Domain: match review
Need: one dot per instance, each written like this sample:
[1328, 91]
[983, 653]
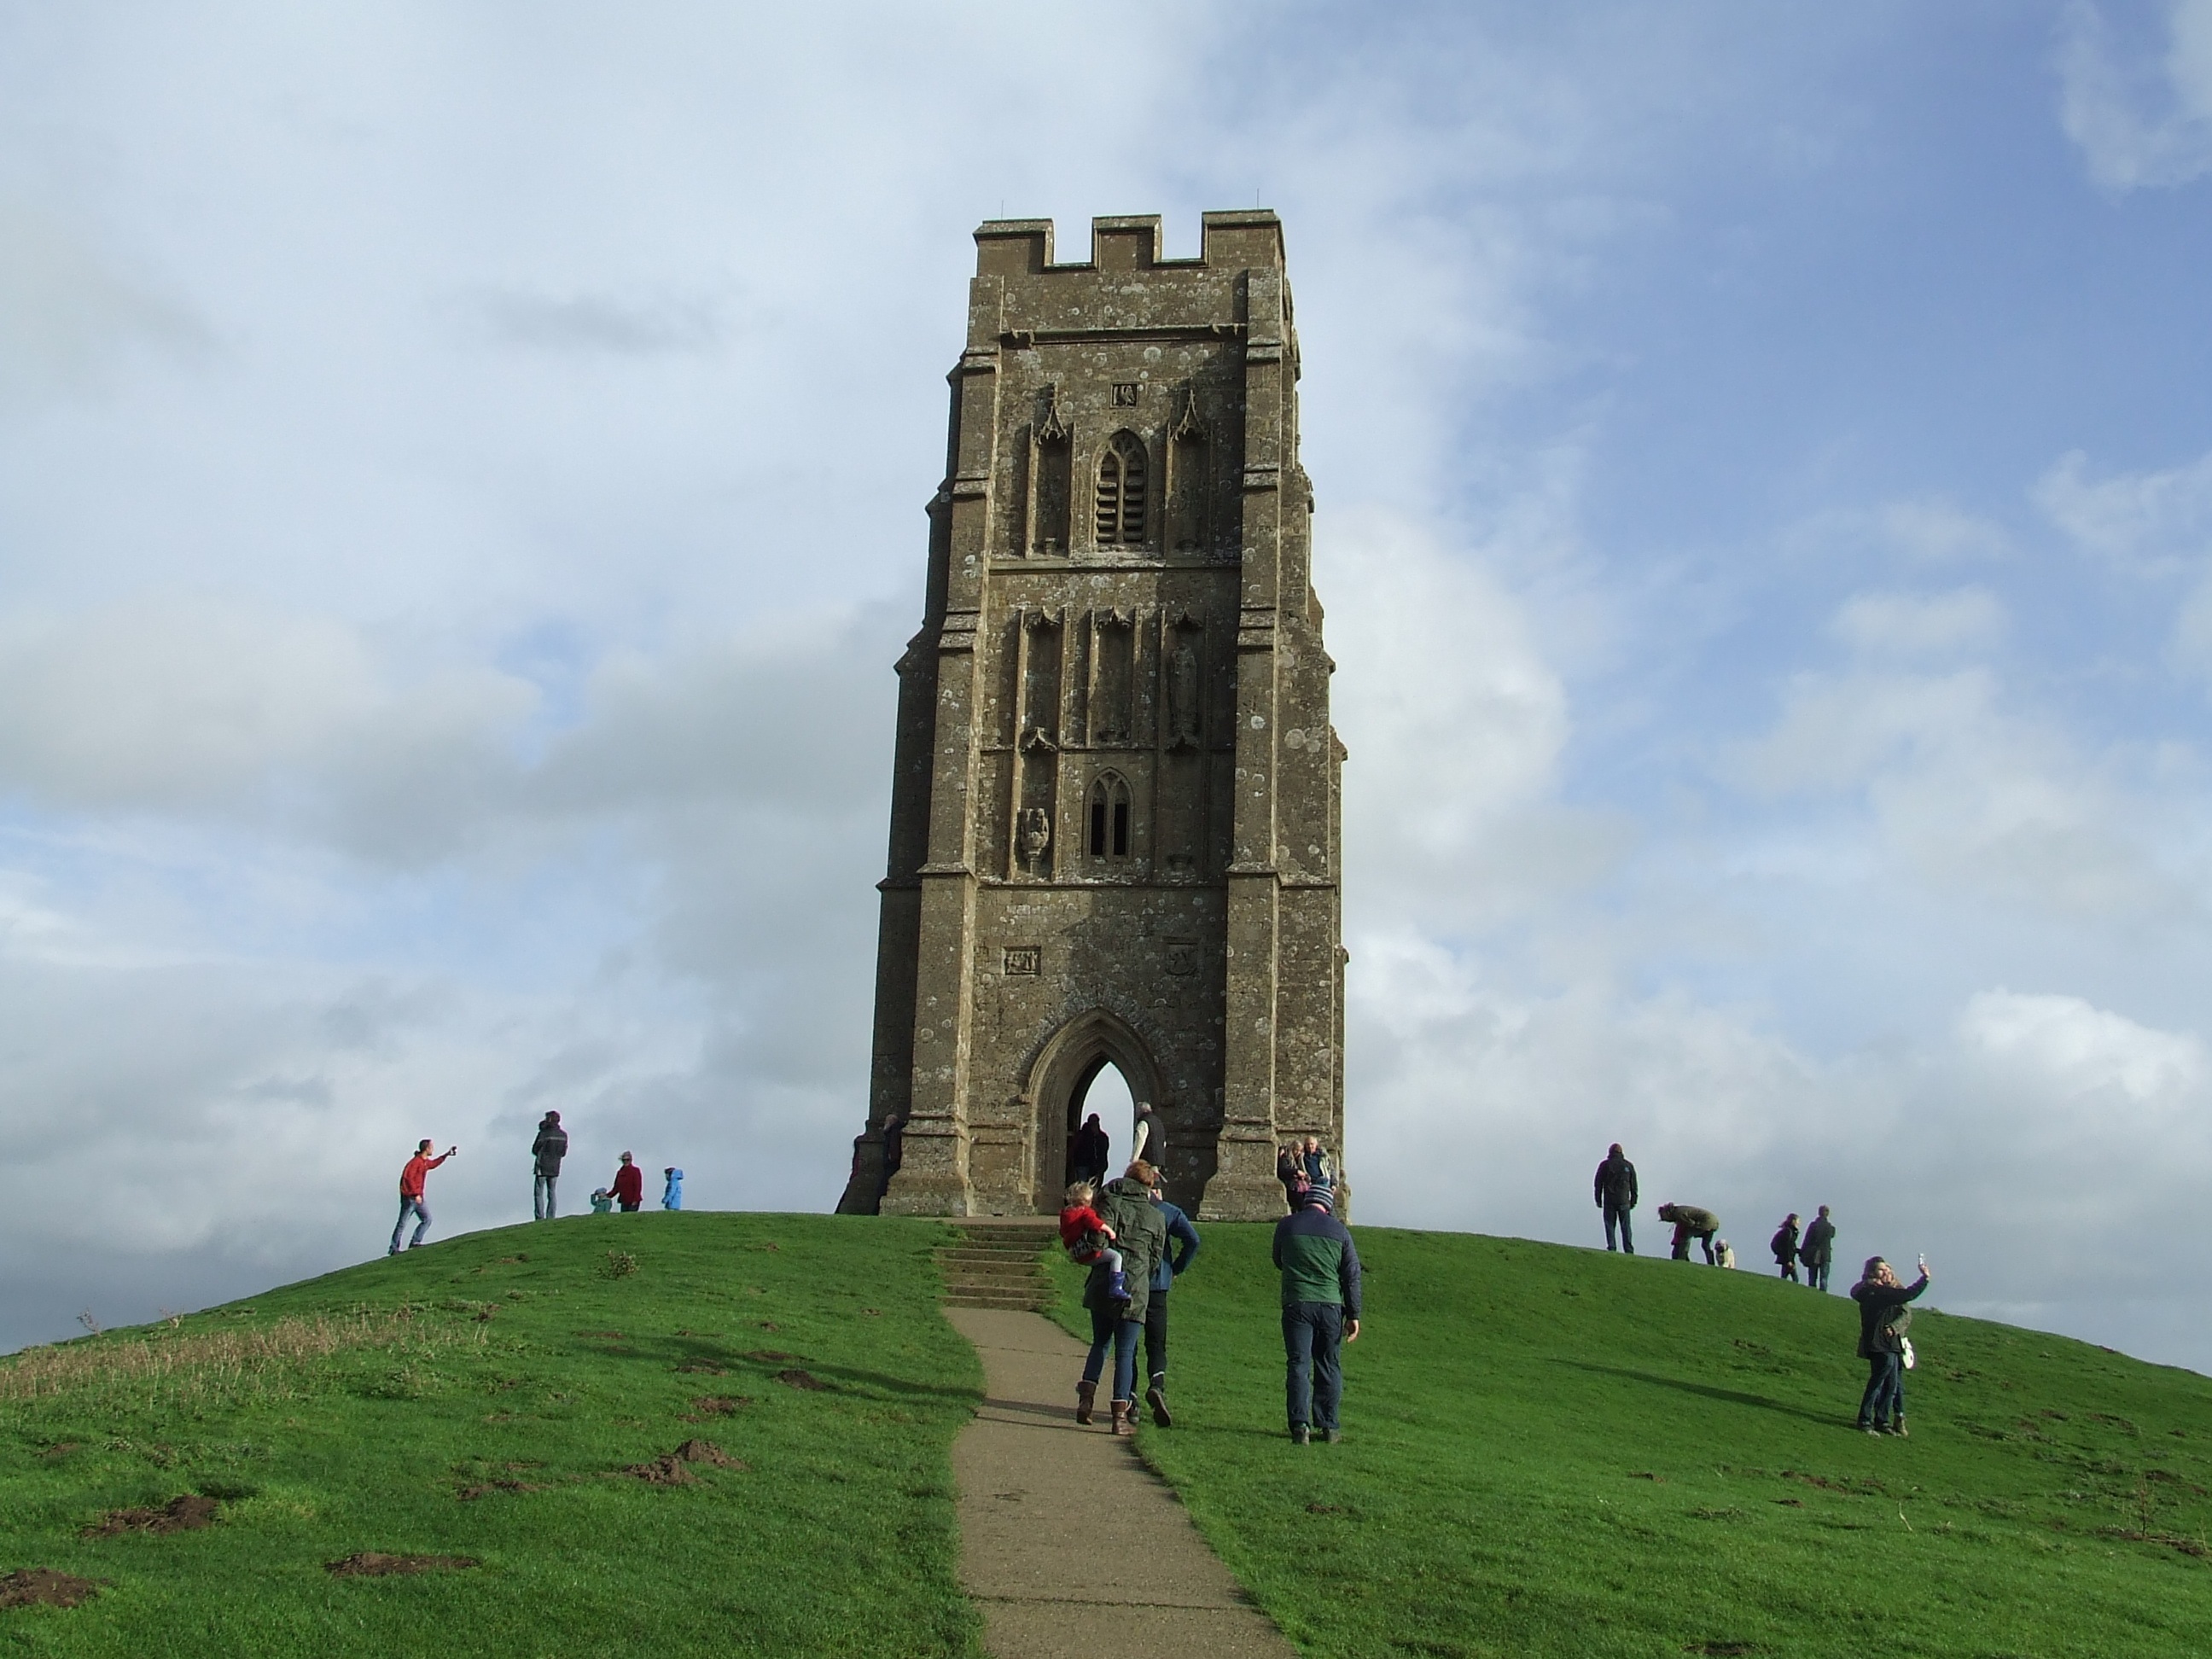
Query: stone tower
[1113, 819]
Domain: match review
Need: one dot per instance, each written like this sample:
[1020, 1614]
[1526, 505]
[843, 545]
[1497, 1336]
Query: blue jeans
[1618, 1214]
[1313, 1339]
[1122, 1336]
[541, 1197]
[1884, 1398]
[407, 1207]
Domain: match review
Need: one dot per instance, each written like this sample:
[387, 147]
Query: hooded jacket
[550, 1148]
[1615, 1183]
[1142, 1235]
[1690, 1218]
[1784, 1244]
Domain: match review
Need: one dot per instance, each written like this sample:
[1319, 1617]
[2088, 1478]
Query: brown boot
[1086, 1396]
[1121, 1413]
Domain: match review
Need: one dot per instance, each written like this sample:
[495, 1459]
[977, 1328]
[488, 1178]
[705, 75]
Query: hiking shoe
[1897, 1428]
[1086, 1394]
[1331, 1436]
[1124, 1417]
[1868, 1428]
[1299, 1434]
[1157, 1398]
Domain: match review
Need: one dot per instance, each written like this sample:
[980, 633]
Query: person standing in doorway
[1818, 1249]
[1147, 1144]
[629, 1189]
[1181, 1249]
[411, 1180]
[1093, 1147]
[545, 1154]
[1615, 1190]
[1321, 1312]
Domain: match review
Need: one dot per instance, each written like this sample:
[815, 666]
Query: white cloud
[1966, 620]
[2150, 521]
[2141, 117]
[1455, 724]
[2081, 1047]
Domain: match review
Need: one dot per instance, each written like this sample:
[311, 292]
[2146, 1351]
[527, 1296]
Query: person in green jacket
[1141, 1234]
[1320, 1311]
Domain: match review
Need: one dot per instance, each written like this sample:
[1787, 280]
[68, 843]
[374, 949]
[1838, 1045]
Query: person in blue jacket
[671, 1195]
[1181, 1251]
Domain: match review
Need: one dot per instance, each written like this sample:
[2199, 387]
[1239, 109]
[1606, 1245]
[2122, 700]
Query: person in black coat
[546, 1155]
[1883, 1320]
[1616, 1191]
[1785, 1246]
[1818, 1250]
[1092, 1149]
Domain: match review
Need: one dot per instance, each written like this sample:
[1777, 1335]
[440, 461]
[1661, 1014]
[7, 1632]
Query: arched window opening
[1109, 819]
[1121, 492]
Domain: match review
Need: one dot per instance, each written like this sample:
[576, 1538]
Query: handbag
[1907, 1350]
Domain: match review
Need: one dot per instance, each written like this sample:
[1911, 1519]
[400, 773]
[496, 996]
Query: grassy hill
[1549, 1452]
[488, 1398]
[1553, 1451]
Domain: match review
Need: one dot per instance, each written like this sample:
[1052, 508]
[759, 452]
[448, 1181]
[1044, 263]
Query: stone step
[994, 1299]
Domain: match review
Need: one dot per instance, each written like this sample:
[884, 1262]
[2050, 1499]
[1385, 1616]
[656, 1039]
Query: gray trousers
[541, 1197]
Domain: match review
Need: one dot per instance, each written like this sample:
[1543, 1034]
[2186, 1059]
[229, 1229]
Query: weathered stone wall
[1113, 817]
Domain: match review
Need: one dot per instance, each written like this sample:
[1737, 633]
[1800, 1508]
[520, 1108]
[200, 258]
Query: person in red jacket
[629, 1184]
[410, 1195]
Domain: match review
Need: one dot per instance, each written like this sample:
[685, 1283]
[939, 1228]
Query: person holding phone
[1884, 1317]
[411, 1180]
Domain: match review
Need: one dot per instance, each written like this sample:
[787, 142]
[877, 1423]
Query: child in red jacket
[1090, 1240]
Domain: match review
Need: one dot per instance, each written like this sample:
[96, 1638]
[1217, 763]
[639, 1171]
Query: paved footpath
[1069, 1544]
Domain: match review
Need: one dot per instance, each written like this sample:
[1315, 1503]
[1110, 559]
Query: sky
[461, 486]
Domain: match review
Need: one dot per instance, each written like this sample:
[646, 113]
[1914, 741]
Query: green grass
[1552, 1451]
[353, 1413]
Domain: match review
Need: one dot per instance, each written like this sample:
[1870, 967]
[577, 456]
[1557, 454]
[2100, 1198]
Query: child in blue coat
[672, 1197]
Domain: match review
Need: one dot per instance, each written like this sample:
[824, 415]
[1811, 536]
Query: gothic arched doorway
[1061, 1079]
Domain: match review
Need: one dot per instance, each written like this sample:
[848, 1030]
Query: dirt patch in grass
[704, 1367]
[42, 1587]
[484, 1489]
[795, 1378]
[771, 1356]
[373, 1564]
[717, 1405]
[186, 1514]
[61, 1449]
[1719, 1648]
[673, 1469]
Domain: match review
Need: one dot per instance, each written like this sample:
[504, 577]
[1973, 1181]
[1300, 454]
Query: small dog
[1723, 1253]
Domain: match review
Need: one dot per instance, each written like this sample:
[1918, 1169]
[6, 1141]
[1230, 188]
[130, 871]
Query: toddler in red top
[1090, 1240]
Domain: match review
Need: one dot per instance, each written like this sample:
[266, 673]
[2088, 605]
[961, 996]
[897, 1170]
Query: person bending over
[1690, 1222]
